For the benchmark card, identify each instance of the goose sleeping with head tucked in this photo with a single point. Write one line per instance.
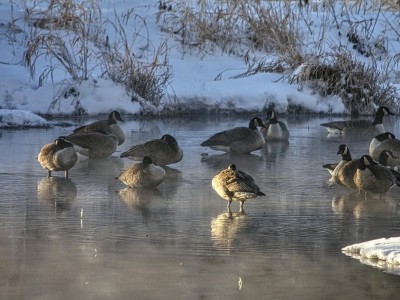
(360, 126)
(162, 151)
(142, 174)
(238, 139)
(232, 184)
(57, 156)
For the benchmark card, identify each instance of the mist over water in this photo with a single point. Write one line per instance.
(90, 236)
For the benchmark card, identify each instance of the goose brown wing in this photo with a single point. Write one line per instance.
(348, 172)
(342, 125)
(226, 137)
(383, 174)
(93, 127)
(150, 148)
(85, 140)
(243, 182)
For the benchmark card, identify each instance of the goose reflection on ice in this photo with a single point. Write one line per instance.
(139, 198)
(57, 191)
(344, 204)
(224, 228)
(276, 148)
(356, 204)
(108, 166)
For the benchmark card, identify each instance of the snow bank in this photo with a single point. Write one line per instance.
(381, 253)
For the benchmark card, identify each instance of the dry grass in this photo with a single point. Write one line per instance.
(360, 85)
(235, 27)
(70, 35)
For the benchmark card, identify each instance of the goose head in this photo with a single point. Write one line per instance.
(345, 152)
(147, 161)
(271, 116)
(114, 117)
(365, 162)
(232, 167)
(256, 122)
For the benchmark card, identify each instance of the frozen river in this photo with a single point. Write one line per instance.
(90, 237)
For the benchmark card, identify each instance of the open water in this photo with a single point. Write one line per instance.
(90, 237)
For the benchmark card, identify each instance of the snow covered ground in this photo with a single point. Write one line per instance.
(193, 84)
(381, 253)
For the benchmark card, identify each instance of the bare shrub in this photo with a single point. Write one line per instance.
(69, 35)
(236, 27)
(146, 80)
(360, 85)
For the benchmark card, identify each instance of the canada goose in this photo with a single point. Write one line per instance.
(388, 159)
(142, 174)
(373, 177)
(360, 126)
(162, 151)
(344, 171)
(330, 167)
(96, 144)
(275, 130)
(57, 156)
(110, 126)
(232, 184)
(384, 141)
(239, 139)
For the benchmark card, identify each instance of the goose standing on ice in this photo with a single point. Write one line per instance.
(57, 156)
(235, 185)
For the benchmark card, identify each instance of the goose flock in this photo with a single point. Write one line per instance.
(374, 172)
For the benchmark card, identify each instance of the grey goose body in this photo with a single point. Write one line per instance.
(57, 156)
(388, 159)
(238, 139)
(142, 174)
(96, 144)
(164, 151)
(109, 126)
(384, 141)
(373, 177)
(360, 126)
(274, 130)
(235, 185)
